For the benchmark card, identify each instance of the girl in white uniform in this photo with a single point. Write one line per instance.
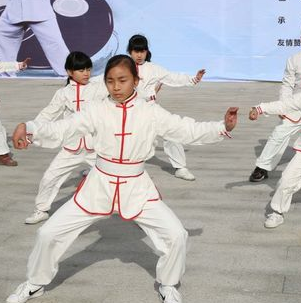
(124, 128)
(290, 181)
(290, 124)
(151, 77)
(5, 158)
(74, 97)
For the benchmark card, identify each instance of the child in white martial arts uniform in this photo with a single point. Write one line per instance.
(290, 124)
(290, 181)
(124, 128)
(74, 97)
(152, 76)
(40, 17)
(5, 158)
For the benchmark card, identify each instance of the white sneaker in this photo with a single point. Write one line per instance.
(37, 217)
(273, 220)
(184, 173)
(169, 294)
(24, 292)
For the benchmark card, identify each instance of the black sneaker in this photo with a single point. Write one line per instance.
(258, 175)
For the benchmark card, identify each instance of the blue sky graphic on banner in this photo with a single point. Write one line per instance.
(231, 39)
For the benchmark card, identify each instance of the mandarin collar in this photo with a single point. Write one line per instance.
(128, 101)
(74, 83)
(138, 64)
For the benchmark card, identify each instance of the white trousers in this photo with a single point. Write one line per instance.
(175, 153)
(289, 184)
(276, 144)
(64, 226)
(57, 173)
(48, 34)
(4, 149)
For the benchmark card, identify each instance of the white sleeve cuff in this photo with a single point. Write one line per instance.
(223, 132)
(30, 127)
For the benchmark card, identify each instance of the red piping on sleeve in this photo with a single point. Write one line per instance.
(293, 121)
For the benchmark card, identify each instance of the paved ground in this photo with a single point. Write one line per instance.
(231, 258)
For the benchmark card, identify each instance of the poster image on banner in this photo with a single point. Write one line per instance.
(85, 25)
(231, 39)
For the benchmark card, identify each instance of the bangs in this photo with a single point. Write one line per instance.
(82, 64)
(138, 43)
(78, 60)
(140, 47)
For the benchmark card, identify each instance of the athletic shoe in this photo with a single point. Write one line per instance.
(258, 175)
(273, 220)
(37, 217)
(169, 294)
(24, 292)
(184, 173)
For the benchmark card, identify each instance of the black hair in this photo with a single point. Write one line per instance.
(139, 43)
(121, 60)
(77, 60)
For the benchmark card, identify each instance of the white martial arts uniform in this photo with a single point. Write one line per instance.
(6, 67)
(123, 140)
(66, 101)
(151, 75)
(290, 181)
(40, 17)
(291, 124)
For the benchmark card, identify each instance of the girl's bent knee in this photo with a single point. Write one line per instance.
(179, 236)
(45, 235)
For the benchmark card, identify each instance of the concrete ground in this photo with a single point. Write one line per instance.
(231, 257)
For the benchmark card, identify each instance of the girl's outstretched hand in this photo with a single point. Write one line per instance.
(200, 74)
(231, 118)
(253, 114)
(23, 65)
(19, 137)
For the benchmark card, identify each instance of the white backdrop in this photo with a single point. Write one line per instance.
(232, 39)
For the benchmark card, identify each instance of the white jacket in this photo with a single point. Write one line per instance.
(291, 84)
(282, 107)
(68, 100)
(151, 75)
(17, 11)
(123, 137)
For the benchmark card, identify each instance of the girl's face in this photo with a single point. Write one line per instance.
(80, 76)
(120, 83)
(139, 56)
